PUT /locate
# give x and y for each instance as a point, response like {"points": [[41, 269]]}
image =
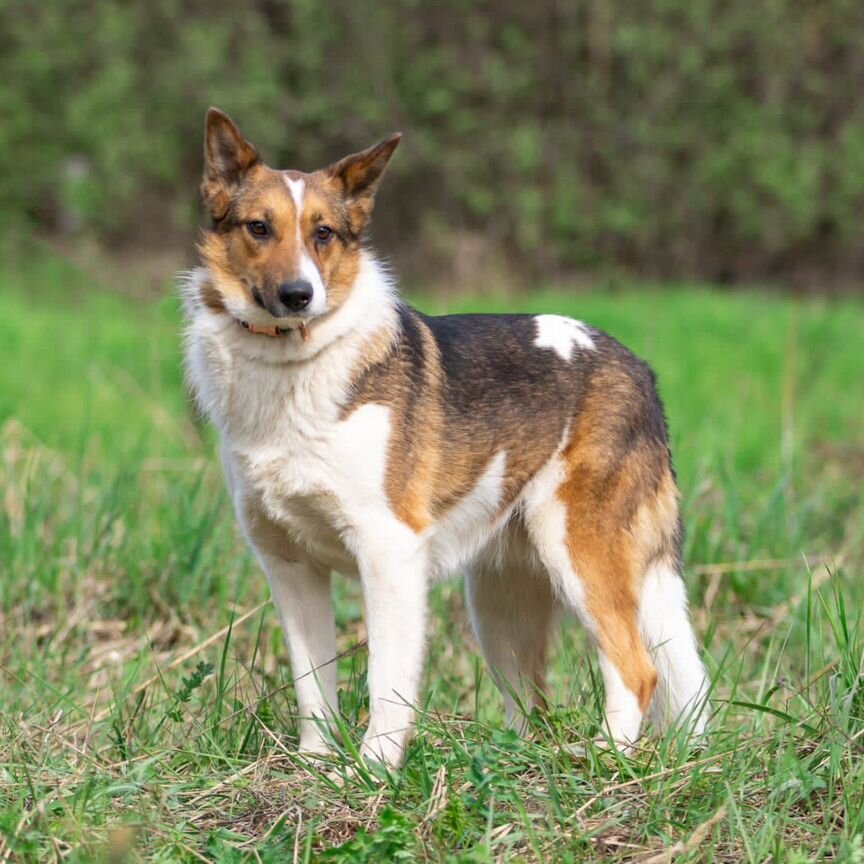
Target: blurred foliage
{"points": [[723, 140]]}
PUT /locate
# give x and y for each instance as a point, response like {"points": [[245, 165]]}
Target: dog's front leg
{"points": [[301, 594], [394, 589]]}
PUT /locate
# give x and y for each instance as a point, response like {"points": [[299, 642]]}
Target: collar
{"points": [[275, 332]]}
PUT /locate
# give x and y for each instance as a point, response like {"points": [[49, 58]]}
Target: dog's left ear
{"points": [[227, 157], [360, 175]]}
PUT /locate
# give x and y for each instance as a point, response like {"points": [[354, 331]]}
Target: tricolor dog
{"points": [[528, 452]]}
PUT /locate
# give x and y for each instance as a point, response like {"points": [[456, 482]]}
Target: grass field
{"points": [[147, 712]]}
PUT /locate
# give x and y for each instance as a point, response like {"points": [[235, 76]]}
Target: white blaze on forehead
{"points": [[308, 270], [561, 334], [297, 189]]}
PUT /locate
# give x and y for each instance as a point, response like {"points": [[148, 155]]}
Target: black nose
{"points": [[295, 295]]}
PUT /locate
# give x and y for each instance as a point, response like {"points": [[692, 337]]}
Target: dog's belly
{"points": [[312, 522], [305, 517], [465, 530]]}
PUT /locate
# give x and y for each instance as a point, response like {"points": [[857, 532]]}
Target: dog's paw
{"points": [[601, 744], [382, 751], [623, 748], [367, 775], [316, 751]]}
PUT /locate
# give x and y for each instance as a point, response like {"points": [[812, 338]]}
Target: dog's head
{"points": [[285, 246]]}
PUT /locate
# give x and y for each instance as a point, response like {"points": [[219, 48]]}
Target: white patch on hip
{"points": [[308, 270], [561, 334]]}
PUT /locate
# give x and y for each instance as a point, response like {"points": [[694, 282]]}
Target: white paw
{"points": [[370, 774], [382, 750], [604, 742], [317, 748]]}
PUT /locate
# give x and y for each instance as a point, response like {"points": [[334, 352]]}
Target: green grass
{"points": [[119, 557]]}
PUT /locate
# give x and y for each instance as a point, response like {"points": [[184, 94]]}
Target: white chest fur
{"points": [[286, 447]]}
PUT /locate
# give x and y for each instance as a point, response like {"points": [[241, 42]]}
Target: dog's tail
{"points": [[682, 689]]}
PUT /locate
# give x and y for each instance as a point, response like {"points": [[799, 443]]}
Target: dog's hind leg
{"points": [[598, 584], [602, 532], [666, 629], [512, 609], [592, 563]]}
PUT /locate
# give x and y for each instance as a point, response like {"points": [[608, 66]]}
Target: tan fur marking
{"points": [[338, 261], [621, 514], [413, 467], [214, 255], [212, 298], [655, 521]]}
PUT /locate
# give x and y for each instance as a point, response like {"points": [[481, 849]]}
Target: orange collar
{"points": [[275, 332]]}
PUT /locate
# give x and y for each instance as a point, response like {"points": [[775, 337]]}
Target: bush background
{"points": [[722, 141]]}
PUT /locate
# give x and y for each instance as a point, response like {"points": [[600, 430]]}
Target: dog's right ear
{"points": [[359, 176], [227, 157]]}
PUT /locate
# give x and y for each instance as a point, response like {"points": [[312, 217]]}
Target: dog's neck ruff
{"points": [[275, 332]]}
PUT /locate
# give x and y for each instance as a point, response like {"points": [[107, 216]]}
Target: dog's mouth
{"points": [[280, 315]]}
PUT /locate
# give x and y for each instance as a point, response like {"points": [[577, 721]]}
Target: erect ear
{"points": [[359, 175], [227, 157]]}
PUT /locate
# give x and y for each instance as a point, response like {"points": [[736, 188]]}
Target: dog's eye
{"points": [[258, 229], [323, 233]]}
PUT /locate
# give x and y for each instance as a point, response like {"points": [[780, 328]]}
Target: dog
{"points": [[359, 435]]}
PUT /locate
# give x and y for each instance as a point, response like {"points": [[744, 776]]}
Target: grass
{"points": [[147, 712]]}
